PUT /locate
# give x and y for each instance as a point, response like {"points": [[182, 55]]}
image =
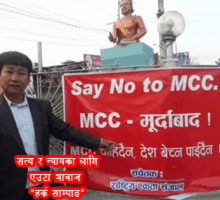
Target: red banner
{"points": [[166, 124]]}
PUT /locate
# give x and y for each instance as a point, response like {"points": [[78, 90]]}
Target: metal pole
{"points": [[170, 61], [118, 9], [37, 86], [40, 68], [48, 91], [161, 43], [169, 44]]}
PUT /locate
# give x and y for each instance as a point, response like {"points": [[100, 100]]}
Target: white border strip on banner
{"points": [[132, 69], [182, 196], [117, 70]]}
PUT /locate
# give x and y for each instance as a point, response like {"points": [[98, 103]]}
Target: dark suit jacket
{"points": [[12, 178]]}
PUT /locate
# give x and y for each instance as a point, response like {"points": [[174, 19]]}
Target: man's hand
{"points": [[106, 144]]}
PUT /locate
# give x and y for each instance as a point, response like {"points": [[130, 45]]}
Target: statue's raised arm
{"points": [[130, 28]]}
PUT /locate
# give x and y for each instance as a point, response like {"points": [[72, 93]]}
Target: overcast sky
{"points": [[70, 28]]}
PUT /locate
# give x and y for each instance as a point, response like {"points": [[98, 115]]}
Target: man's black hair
{"points": [[15, 58]]}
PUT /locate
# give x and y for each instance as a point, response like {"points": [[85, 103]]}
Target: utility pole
{"points": [[119, 10], [161, 43], [39, 69]]}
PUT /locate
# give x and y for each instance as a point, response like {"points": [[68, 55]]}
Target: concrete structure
{"points": [[138, 54]]}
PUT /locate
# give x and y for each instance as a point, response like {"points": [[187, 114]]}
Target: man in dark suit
{"points": [[25, 125]]}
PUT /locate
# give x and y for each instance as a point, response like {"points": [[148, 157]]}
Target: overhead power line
{"points": [[203, 20], [51, 36], [68, 44], [38, 8], [45, 12], [16, 8], [54, 21]]}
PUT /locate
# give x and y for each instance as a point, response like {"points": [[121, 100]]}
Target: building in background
{"points": [[156, 59], [93, 61], [183, 58], [51, 76], [218, 62]]}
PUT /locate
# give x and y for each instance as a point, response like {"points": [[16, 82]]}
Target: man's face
{"points": [[125, 7], [14, 79]]}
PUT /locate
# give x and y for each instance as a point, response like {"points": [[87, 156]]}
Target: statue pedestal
{"points": [[132, 55]]}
